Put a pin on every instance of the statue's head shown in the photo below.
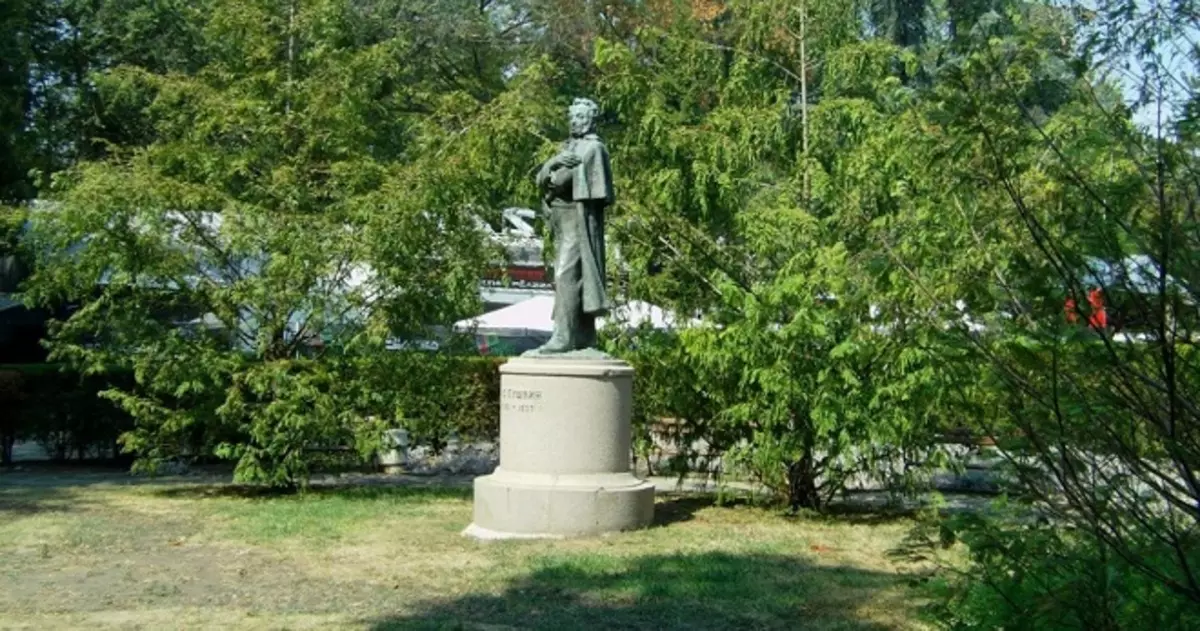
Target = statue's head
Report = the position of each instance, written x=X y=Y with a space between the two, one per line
x=583 y=114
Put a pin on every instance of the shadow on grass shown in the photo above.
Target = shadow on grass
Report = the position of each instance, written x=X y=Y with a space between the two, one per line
x=696 y=591
x=684 y=506
x=867 y=515
x=676 y=508
x=27 y=501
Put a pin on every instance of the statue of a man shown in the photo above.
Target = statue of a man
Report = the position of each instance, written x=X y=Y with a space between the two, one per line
x=577 y=187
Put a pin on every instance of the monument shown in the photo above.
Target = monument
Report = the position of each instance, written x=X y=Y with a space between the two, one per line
x=565 y=407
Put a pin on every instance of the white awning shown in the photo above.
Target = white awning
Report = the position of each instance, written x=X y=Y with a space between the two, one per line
x=534 y=318
x=528 y=318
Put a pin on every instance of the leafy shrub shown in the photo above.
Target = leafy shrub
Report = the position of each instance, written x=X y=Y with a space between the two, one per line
x=335 y=407
x=669 y=405
x=12 y=221
x=1031 y=574
x=285 y=419
x=287 y=410
x=434 y=396
x=61 y=410
x=801 y=409
x=12 y=393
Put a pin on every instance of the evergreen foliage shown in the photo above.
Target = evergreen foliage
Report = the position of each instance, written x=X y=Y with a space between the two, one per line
x=881 y=213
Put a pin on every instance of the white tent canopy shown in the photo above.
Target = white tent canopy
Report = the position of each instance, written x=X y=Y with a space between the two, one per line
x=534 y=318
x=1137 y=273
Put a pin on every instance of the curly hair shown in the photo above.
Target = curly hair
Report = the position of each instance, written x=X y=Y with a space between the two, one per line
x=587 y=105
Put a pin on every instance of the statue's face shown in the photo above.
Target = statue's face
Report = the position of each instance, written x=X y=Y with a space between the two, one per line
x=581 y=121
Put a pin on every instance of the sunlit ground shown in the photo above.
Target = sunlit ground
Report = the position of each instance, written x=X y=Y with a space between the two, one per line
x=107 y=554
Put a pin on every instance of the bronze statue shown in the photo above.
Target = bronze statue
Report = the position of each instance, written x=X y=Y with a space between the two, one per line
x=577 y=187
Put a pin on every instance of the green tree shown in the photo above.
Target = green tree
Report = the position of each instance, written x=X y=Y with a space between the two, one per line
x=250 y=255
x=756 y=209
x=903 y=22
x=20 y=28
x=1056 y=189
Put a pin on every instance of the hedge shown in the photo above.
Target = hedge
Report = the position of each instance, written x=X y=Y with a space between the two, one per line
x=61 y=410
x=432 y=396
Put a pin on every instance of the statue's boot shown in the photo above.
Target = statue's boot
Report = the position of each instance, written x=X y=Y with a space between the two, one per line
x=585 y=337
x=562 y=341
x=557 y=344
x=571 y=334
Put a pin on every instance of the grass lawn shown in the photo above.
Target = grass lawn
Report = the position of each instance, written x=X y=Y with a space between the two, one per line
x=105 y=553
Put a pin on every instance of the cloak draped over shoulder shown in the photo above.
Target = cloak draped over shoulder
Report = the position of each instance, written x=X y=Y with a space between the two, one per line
x=592 y=179
x=575 y=201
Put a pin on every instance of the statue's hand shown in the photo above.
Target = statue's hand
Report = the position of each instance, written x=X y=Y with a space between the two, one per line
x=564 y=159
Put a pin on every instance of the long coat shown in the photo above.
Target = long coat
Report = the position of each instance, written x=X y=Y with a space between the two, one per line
x=575 y=201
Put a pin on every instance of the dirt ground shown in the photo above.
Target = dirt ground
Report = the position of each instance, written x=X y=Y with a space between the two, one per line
x=99 y=549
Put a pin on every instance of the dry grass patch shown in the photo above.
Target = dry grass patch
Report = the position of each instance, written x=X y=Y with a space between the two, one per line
x=120 y=556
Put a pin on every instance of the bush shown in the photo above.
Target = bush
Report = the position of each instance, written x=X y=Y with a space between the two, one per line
x=12 y=394
x=796 y=412
x=62 y=410
x=284 y=419
x=669 y=406
x=1031 y=574
x=434 y=396
x=12 y=223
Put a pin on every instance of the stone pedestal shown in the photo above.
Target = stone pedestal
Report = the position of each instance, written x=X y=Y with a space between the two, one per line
x=394 y=456
x=564 y=453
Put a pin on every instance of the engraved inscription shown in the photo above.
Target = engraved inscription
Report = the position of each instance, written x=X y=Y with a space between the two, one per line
x=520 y=400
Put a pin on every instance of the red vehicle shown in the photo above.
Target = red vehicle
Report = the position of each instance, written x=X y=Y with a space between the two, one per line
x=1097 y=315
x=1098 y=318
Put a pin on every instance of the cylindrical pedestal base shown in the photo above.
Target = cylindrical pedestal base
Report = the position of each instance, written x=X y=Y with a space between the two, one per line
x=564 y=453
x=535 y=506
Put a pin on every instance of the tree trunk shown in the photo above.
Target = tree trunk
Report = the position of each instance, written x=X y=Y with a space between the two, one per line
x=12 y=273
x=7 y=440
x=804 y=98
x=291 y=55
x=802 y=485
